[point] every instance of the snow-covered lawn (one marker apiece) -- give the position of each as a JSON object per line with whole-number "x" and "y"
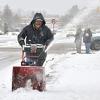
{"x": 69, "y": 77}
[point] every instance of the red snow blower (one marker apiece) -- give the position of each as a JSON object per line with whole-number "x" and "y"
{"x": 30, "y": 73}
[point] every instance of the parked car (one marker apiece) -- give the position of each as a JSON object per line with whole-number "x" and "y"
{"x": 13, "y": 33}
{"x": 95, "y": 44}
{"x": 71, "y": 32}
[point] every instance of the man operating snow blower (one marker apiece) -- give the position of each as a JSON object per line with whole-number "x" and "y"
{"x": 36, "y": 33}
{"x": 34, "y": 39}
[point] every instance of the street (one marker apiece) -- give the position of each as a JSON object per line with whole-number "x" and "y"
{"x": 7, "y": 57}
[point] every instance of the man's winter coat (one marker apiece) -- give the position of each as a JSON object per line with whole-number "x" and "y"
{"x": 78, "y": 35}
{"x": 87, "y": 36}
{"x": 31, "y": 35}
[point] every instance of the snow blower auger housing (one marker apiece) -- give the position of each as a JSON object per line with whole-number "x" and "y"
{"x": 30, "y": 73}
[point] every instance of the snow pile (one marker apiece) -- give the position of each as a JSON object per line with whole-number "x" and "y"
{"x": 8, "y": 41}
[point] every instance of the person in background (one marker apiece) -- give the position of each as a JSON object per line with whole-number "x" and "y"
{"x": 36, "y": 33}
{"x": 87, "y": 39}
{"x": 78, "y": 39}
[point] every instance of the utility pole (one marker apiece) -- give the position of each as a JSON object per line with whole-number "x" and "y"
{"x": 53, "y": 25}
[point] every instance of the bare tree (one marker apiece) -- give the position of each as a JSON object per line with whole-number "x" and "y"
{"x": 7, "y": 17}
{"x": 16, "y": 22}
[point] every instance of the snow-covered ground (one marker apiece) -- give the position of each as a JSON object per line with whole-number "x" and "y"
{"x": 70, "y": 76}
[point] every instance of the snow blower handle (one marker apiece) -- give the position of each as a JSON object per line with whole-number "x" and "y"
{"x": 25, "y": 48}
{"x": 22, "y": 55}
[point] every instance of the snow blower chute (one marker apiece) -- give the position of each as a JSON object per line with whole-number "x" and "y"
{"x": 30, "y": 71}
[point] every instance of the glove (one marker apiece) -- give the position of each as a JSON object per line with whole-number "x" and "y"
{"x": 21, "y": 43}
{"x": 47, "y": 42}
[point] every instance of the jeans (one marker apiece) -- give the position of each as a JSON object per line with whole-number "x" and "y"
{"x": 78, "y": 46}
{"x": 87, "y": 46}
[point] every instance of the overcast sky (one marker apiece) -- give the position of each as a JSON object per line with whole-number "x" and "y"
{"x": 50, "y": 6}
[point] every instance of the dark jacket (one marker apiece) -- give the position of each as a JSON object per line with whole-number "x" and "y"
{"x": 87, "y": 36}
{"x": 42, "y": 36}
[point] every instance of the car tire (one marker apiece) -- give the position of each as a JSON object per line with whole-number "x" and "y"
{"x": 97, "y": 46}
{"x": 92, "y": 47}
